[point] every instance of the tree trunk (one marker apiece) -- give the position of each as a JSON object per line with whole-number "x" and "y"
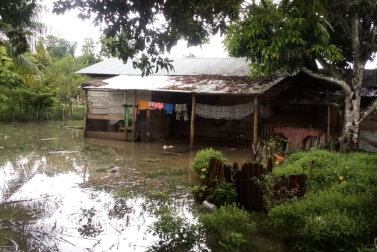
{"x": 350, "y": 132}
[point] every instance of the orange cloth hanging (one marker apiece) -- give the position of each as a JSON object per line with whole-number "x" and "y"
{"x": 279, "y": 159}
{"x": 143, "y": 105}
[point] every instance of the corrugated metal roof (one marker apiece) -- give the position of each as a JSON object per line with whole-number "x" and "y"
{"x": 210, "y": 84}
{"x": 184, "y": 66}
{"x": 368, "y": 141}
{"x": 370, "y": 78}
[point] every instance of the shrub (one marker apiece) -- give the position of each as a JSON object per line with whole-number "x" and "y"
{"x": 223, "y": 193}
{"x": 202, "y": 158}
{"x": 228, "y": 228}
{"x": 174, "y": 231}
{"x": 347, "y": 172}
{"x": 198, "y": 191}
{"x": 328, "y": 220}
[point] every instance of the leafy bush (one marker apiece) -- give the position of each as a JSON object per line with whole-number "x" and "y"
{"x": 347, "y": 172}
{"x": 198, "y": 191}
{"x": 202, "y": 158}
{"x": 174, "y": 231}
{"x": 223, "y": 193}
{"x": 328, "y": 220}
{"x": 337, "y": 213}
{"x": 228, "y": 228}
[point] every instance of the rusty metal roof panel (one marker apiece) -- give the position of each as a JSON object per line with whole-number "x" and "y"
{"x": 208, "y": 84}
{"x": 183, "y": 66}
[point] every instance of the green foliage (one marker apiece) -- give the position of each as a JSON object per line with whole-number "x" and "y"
{"x": 267, "y": 184}
{"x": 88, "y": 148}
{"x": 198, "y": 191}
{"x": 338, "y": 211}
{"x": 122, "y": 194}
{"x": 169, "y": 171}
{"x": 202, "y": 158}
{"x": 175, "y": 232}
{"x": 129, "y": 40}
{"x": 59, "y": 48}
{"x": 286, "y": 35}
{"x": 16, "y": 23}
{"x": 224, "y": 193}
{"x": 328, "y": 220}
{"x": 159, "y": 196}
{"x": 108, "y": 152}
{"x": 346, "y": 172}
{"x": 228, "y": 228}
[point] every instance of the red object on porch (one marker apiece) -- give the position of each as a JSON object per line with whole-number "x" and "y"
{"x": 298, "y": 133}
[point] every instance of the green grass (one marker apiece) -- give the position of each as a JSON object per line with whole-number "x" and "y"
{"x": 108, "y": 152}
{"x": 168, "y": 171}
{"x": 122, "y": 193}
{"x": 87, "y": 148}
{"x": 158, "y": 196}
{"x": 152, "y": 160}
{"x": 56, "y": 147}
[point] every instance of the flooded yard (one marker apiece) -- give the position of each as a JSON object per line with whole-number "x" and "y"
{"x": 58, "y": 191}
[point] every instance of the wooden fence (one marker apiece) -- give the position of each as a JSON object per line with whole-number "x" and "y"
{"x": 249, "y": 193}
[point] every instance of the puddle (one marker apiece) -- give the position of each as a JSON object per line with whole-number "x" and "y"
{"x": 67, "y": 199}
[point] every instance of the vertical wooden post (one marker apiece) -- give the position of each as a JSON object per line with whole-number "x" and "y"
{"x": 328, "y": 122}
{"x": 86, "y": 111}
{"x": 133, "y": 115}
{"x": 255, "y": 137}
{"x": 125, "y": 115}
{"x": 192, "y": 123}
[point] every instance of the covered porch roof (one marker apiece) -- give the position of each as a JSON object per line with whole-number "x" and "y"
{"x": 200, "y": 84}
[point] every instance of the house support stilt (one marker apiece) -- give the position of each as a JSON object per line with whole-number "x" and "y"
{"x": 255, "y": 135}
{"x": 192, "y": 123}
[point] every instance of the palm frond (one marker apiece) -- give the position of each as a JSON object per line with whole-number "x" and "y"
{"x": 22, "y": 63}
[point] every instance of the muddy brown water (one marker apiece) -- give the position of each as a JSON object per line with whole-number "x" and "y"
{"x": 64, "y": 193}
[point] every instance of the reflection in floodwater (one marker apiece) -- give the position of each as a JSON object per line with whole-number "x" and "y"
{"x": 59, "y": 194}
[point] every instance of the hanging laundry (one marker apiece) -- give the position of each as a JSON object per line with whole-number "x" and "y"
{"x": 181, "y": 110}
{"x": 169, "y": 108}
{"x": 143, "y": 105}
{"x": 235, "y": 112}
{"x": 158, "y": 105}
{"x": 151, "y": 105}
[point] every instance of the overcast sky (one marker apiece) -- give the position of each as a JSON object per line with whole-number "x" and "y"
{"x": 71, "y": 28}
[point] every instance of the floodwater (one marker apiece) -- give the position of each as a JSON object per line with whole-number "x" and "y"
{"x": 57, "y": 192}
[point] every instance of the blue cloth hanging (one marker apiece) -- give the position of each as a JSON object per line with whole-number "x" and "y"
{"x": 169, "y": 108}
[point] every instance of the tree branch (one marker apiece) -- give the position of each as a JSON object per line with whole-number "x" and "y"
{"x": 334, "y": 80}
{"x": 264, "y": 4}
{"x": 366, "y": 112}
{"x": 342, "y": 21}
{"x": 355, "y": 42}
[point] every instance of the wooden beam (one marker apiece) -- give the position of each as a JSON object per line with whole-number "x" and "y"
{"x": 125, "y": 116}
{"x": 133, "y": 115}
{"x": 328, "y": 122}
{"x": 255, "y": 137}
{"x": 192, "y": 132}
{"x": 86, "y": 110}
{"x": 116, "y": 117}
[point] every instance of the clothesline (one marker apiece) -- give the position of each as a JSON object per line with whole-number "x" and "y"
{"x": 235, "y": 112}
